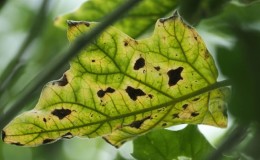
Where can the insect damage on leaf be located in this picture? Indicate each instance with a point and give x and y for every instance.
(144, 84)
(61, 82)
(140, 63)
(174, 76)
(61, 113)
(134, 93)
(101, 93)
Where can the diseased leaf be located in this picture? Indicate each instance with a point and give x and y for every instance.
(120, 88)
(168, 145)
(134, 23)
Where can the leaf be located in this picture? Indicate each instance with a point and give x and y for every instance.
(120, 88)
(240, 23)
(135, 23)
(168, 145)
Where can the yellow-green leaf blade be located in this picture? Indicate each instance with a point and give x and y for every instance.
(119, 88)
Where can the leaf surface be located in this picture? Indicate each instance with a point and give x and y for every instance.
(168, 145)
(120, 88)
(134, 23)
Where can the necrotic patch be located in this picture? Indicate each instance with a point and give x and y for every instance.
(175, 115)
(47, 141)
(137, 124)
(3, 135)
(61, 113)
(62, 81)
(17, 144)
(134, 93)
(174, 76)
(185, 106)
(67, 135)
(101, 93)
(194, 114)
(140, 63)
(157, 68)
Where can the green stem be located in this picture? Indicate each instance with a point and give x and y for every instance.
(16, 63)
(234, 138)
(60, 61)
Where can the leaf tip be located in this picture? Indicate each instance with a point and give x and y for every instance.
(175, 14)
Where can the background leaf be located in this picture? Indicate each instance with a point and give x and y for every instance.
(168, 145)
(135, 23)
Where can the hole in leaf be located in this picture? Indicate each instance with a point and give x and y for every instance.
(140, 63)
(134, 93)
(174, 76)
(61, 113)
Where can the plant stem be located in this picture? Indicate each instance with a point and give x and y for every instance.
(233, 139)
(16, 63)
(60, 61)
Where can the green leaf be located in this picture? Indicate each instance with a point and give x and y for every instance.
(120, 88)
(168, 145)
(135, 23)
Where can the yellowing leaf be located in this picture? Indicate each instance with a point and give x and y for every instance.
(120, 88)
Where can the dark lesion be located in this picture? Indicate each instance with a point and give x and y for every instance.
(139, 63)
(185, 106)
(133, 93)
(175, 115)
(45, 141)
(174, 76)
(17, 144)
(68, 135)
(157, 68)
(194, 114)
(196, 99)
(3, 135)
(63, 81)
(61, 113)
(137, 124)
(101, 93)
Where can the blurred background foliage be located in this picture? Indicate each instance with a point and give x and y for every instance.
(230, 28)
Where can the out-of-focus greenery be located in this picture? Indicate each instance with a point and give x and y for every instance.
(233, 24)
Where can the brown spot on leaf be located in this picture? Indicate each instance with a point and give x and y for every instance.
(62, 81)
(134, 93)
(17, 144)
(3, 135)
(164, 124)
(185, 106)
(137, 124)
(206, 54)
(125, 43)
(93, 60)
(140, 63)
(150, 96)
(67, 135)
(195, 99)
(47, 141)
(194, 114)
(174, 76)
(175, 115)
(101, 93)
(61, 113)
(44, 120)
(157, 68)
(87, 24)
